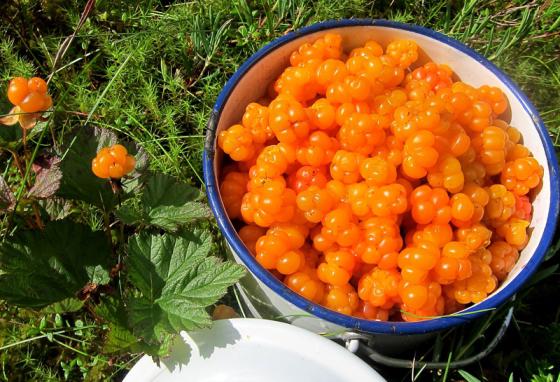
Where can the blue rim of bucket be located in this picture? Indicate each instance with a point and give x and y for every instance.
(436, 324)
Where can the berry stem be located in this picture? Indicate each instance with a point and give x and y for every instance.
(17, 163)
(38, 219)
(24, 140)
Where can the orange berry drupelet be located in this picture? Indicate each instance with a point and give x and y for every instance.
(379, 188)
(113, 162)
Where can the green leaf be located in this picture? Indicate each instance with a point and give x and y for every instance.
(146, 319)
(154, 258)
(119, 336)
(171, 218)
(98, 274)
(111, 310)
(468, 376)
(167, 204)
(7, 197)
(47, 180)
(39, 268)
(67, 305)
(56, 208)
(128, 215)
(120, 339)
(192, 319)
(164, 190)
(177, 279)
(212, 278)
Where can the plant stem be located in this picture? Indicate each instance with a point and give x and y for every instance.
(70, 347)
(17, 163)
(37, 214)
(24, 139)
(45, 336)
(107, 226)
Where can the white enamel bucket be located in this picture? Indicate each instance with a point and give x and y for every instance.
(266, 296)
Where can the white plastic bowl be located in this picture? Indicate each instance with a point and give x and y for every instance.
(268, 297)
(250, 350)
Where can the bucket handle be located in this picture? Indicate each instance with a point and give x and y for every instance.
(358, 343)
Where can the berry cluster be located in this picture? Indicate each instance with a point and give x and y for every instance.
(376, 190)
(29, 94)
(112, 162)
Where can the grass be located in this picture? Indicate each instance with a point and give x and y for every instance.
(151, 71)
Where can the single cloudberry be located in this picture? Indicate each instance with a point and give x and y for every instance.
(475, 237)
(307, 176)
(357, 196)
(381, 236)
(447, 174)
(369, 312)
(249, 234)
(501, 205)
(315, 203)
(322, 114)
(430, 205)
(378, 171)
(318, 150)
(361, 133)
(514, 231)
(522, 175)
(403, 52)
(237, 142)
(232, 190)
(345, 166)
(255, 119)
(306, 285)
(504, 257)
(389, 200)
(481, 283)
(341, 298)
(380, 287)
(421, 300)
(419, 154)
(523, 208)
(113, 162)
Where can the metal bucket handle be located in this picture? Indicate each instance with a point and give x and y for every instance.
(360, 344)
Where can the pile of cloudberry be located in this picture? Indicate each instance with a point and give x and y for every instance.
(377, 190)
